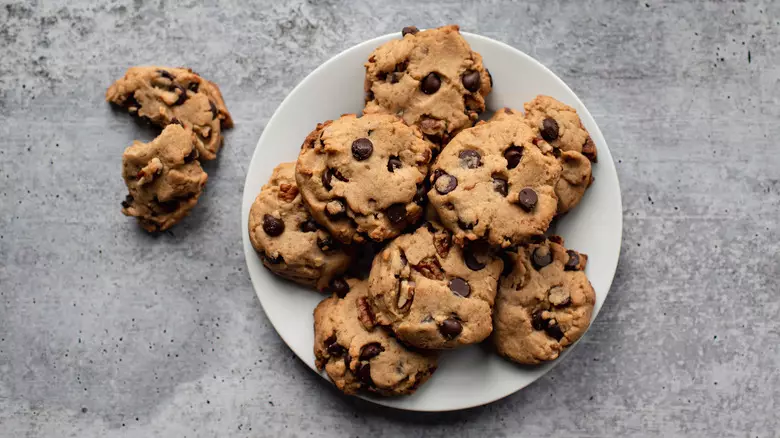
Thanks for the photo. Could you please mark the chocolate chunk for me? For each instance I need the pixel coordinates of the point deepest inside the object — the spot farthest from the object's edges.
(335, 209)
(513, 155)
(309, 226)
(394, 163)
(537, 322)
(327, 243)
(194, 86)
(362, 148)
(166, 74)
(272, 226)
(450, 328)
(471, 81)
(527, 199)
(460, 287)
(500, 185)
(339, 286)
(573, 262)
(549, 129)
(370, 351)
(445, 184)
(555, 331)
(363, 373)
(430, 84)
(181, 92)
(541, 257)
(409, 30)
(396, 213)
(470, 159)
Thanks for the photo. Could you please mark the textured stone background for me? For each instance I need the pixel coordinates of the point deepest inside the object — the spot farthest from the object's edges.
(106, 331)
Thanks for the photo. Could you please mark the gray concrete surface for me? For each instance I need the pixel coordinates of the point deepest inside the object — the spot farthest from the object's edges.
(107, 331)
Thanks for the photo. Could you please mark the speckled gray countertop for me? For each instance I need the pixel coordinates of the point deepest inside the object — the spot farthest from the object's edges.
(107, 331)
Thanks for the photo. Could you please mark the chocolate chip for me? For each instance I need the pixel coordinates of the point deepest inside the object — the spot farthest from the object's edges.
(213, 109)
(446, 183)
(273, 260)
(527, 199)
(166, 74)
(537, 322)
(465, 225)
(396, 213)
(589, 150)
(128, 200)
(573, 262)
(327, 243)
(559, 296)
(549, 129)
(394, 163)
(460, 287)
(309, 226)
(191, 156)
(332, 346)
(513, 155)
(537, 238)
(370, 351)
(328, 175)
(541, 257)
(430, 84)
(335, 209)
(470, 158)
(471, 81)
(339, 286)
(500, 185)
(419, 197)
(272, 226)
(471, 258)
(194, 86)
(555, 331)
(409, 30)
(182, 94)
(362, 148)
(363, 372)
(450, 328)
(347, 359)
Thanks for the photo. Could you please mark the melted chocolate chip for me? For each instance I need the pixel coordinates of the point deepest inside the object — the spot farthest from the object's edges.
(500, 185)
(339, 286)
(182, 94)
(555, 331)
(309, 226)
(470, 159)
(537, 322)
(194, 86)
(445, 183)
(166, 74)
(394, 163)
(363, 373)
(573, 262)
(396, 213)
(272, 226)
(370, 351)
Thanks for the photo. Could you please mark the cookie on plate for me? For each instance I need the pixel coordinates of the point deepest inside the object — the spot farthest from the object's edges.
(495, 182)
(165, 95)
(356, 354)
(290, 243)
(163, 177)
(432, 293)
(559, 125)
(544, 302)
(362, 177)
(431, 78)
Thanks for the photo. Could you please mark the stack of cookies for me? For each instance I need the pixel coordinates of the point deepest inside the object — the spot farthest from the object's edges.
(428, 228)
(164, 176)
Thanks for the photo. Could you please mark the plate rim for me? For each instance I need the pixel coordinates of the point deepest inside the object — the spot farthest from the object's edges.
(246, 205)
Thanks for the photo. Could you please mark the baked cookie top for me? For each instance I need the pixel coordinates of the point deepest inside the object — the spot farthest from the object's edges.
(432, 293)
(431, 78)
(290, 242)
(163, 177)
(544, 303)
(362, 177)
(165, 95)
(495, 182)
(356, 354)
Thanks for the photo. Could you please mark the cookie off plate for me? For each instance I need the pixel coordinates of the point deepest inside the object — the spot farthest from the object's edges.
(470, 376)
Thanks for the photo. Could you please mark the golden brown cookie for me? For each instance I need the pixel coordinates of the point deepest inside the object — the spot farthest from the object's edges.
(431, 78)
(163, 177)
(432, 293)
(290, 243)
(167, 95)
(544, 303)
(362, 177)
(356, 354)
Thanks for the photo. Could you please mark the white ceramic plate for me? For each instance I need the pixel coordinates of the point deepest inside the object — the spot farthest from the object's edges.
(470, 376)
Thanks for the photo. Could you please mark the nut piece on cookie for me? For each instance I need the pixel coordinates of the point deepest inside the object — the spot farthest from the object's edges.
(164, 179)
(432, 293)
(544, 302)
(290, 243)
(362, 177)
(494, 182)
(165, 96)
(431, 78)
(559, 125)
(357, 355)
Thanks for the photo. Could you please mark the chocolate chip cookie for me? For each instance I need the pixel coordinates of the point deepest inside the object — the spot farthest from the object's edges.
(164, 179)
(496, 182)
(362, 177)
(544, 303)
(432, 293)
(356, 354)
(290, 242)
(166, 95)
(431, 78)
(560, 126)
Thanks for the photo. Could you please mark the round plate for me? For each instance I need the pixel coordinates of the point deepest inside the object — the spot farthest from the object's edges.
(469, 376)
